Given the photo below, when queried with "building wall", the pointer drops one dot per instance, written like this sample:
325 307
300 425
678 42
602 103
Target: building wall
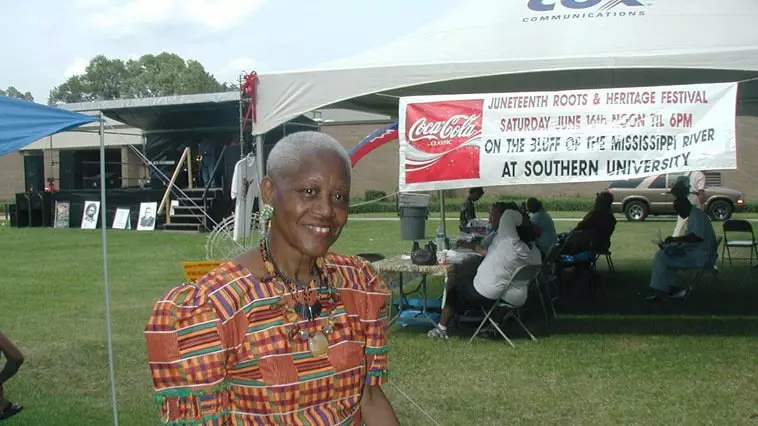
379 169
133 170
11 175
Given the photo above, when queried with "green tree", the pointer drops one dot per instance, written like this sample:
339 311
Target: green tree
12 92
151 75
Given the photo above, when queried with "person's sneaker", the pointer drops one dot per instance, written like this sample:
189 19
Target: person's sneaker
656 297
681 294
437 332
10 410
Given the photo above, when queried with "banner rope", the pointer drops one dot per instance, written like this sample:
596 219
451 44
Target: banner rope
374 200
415 404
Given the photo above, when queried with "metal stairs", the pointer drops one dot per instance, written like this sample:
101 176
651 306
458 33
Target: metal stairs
190 213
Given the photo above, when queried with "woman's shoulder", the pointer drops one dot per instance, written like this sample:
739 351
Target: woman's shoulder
352 272
221 275
345 262
197 293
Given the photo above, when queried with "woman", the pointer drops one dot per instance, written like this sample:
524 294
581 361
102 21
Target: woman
505 256
13 360
496 210
542 220
597 227
287 333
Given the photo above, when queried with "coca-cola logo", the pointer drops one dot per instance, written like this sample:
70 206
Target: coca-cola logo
442 140
456 126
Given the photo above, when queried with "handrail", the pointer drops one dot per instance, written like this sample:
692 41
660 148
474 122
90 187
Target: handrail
208 185
185 156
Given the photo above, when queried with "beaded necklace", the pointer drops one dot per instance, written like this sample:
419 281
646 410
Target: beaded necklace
303 303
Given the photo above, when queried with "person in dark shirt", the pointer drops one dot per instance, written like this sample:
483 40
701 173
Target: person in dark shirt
600 222
468 209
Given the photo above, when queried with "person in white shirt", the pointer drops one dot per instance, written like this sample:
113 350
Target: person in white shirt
245 188
507 253
544 222
696 197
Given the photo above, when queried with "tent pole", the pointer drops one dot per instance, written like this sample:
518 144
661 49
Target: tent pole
106 286
259 154
442 213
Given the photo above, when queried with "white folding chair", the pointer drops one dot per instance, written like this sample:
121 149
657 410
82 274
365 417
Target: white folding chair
527 274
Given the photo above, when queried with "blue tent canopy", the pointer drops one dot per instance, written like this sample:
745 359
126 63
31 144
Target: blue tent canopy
23 122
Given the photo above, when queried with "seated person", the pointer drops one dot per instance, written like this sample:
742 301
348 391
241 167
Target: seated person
547 237
598 225
496 211
468 209
505 255
696 249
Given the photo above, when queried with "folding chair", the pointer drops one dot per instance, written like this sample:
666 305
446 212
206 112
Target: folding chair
547 276
581 243
710 267
606 251
742 227
526 273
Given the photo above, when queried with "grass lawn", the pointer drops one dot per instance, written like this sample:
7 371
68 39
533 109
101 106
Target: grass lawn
611 358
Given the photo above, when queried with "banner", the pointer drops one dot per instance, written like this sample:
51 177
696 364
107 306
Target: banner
461 141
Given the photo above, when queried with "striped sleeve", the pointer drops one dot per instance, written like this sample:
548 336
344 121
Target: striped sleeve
375 321
188 358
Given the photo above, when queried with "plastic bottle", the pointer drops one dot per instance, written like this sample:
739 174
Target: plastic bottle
440 238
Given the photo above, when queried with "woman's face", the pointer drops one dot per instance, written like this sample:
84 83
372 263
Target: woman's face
310 203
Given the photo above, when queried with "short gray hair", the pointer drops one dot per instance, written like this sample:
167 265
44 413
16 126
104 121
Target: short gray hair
290 151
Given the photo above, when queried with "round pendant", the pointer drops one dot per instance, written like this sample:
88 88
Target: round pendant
318 344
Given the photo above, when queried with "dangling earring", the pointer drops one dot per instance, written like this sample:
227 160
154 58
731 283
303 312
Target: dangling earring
264 223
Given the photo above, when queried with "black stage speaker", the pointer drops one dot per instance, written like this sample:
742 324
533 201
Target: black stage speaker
34 172
67 169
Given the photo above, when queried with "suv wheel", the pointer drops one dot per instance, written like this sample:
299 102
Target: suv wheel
635 211
720 210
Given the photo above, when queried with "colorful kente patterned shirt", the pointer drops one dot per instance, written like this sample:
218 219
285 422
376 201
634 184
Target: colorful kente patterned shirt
219 351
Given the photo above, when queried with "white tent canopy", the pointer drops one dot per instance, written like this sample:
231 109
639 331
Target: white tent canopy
504 46
88 136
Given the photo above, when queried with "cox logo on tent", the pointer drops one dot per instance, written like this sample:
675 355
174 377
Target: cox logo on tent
548 5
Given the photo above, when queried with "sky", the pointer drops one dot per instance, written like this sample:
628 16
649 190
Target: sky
45 42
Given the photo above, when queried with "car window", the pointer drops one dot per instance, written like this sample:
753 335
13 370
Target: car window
630 183
659 182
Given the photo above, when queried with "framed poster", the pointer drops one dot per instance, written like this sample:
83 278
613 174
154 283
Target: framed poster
90 214
62 213
122 219
146 220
